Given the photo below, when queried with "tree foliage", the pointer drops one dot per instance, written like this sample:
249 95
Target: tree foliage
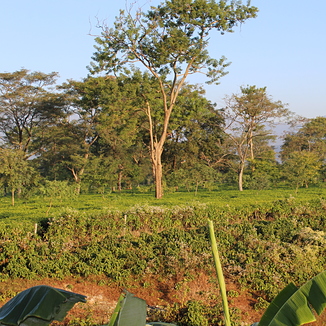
170 42
15 172
302 169
247 115
27 107
136 114
310 137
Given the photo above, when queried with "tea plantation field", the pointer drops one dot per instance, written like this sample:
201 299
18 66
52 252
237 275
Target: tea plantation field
37 208
266 240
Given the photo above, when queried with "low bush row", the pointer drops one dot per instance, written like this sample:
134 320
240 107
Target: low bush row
263 248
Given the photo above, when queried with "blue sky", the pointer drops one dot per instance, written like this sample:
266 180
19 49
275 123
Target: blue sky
284 48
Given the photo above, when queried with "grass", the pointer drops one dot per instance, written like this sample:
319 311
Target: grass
35 208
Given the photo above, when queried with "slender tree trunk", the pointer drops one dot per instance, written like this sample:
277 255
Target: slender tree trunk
157 171
157 143
119 180
251 146
156 150
13 196
242 157
77 177
78 174
296 188
196 188
78 188
158 181
240 176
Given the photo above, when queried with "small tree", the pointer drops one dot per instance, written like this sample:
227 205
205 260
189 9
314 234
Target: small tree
264 174
310 137
170 40
15 171
57 190
302 168
247 116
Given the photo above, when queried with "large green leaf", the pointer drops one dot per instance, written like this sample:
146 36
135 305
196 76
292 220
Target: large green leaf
315 291
291 306
158 323
116 311
39 305
130 311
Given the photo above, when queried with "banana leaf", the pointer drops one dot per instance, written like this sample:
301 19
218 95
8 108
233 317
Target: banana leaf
292 306
39 305
131 311
158 323
116 311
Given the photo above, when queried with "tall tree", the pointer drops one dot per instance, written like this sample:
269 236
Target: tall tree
169 40
28 106
86 104
247 115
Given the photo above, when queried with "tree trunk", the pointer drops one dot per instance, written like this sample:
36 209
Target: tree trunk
13 196
78 174
156 148
196 188
156 158
251 145
77 179
240 177
78 188
158 173
119 183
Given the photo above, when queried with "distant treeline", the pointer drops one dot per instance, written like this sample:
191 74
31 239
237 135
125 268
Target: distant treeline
96 135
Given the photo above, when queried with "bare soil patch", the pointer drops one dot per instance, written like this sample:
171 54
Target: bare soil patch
102 295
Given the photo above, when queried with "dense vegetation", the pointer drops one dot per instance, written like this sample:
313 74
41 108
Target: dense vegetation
266 240
135 121
81 160
93 138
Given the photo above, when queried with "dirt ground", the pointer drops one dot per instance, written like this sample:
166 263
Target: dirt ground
102 297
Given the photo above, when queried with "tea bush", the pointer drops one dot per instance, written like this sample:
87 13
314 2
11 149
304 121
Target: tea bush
263 246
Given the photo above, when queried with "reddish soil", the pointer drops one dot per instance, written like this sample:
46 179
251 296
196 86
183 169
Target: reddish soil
101 299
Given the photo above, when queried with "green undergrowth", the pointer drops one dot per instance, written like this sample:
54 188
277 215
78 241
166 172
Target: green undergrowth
263 245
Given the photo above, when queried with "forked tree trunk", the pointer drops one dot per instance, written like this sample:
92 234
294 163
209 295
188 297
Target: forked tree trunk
157 143
77 177
158 182
156 150
157 171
